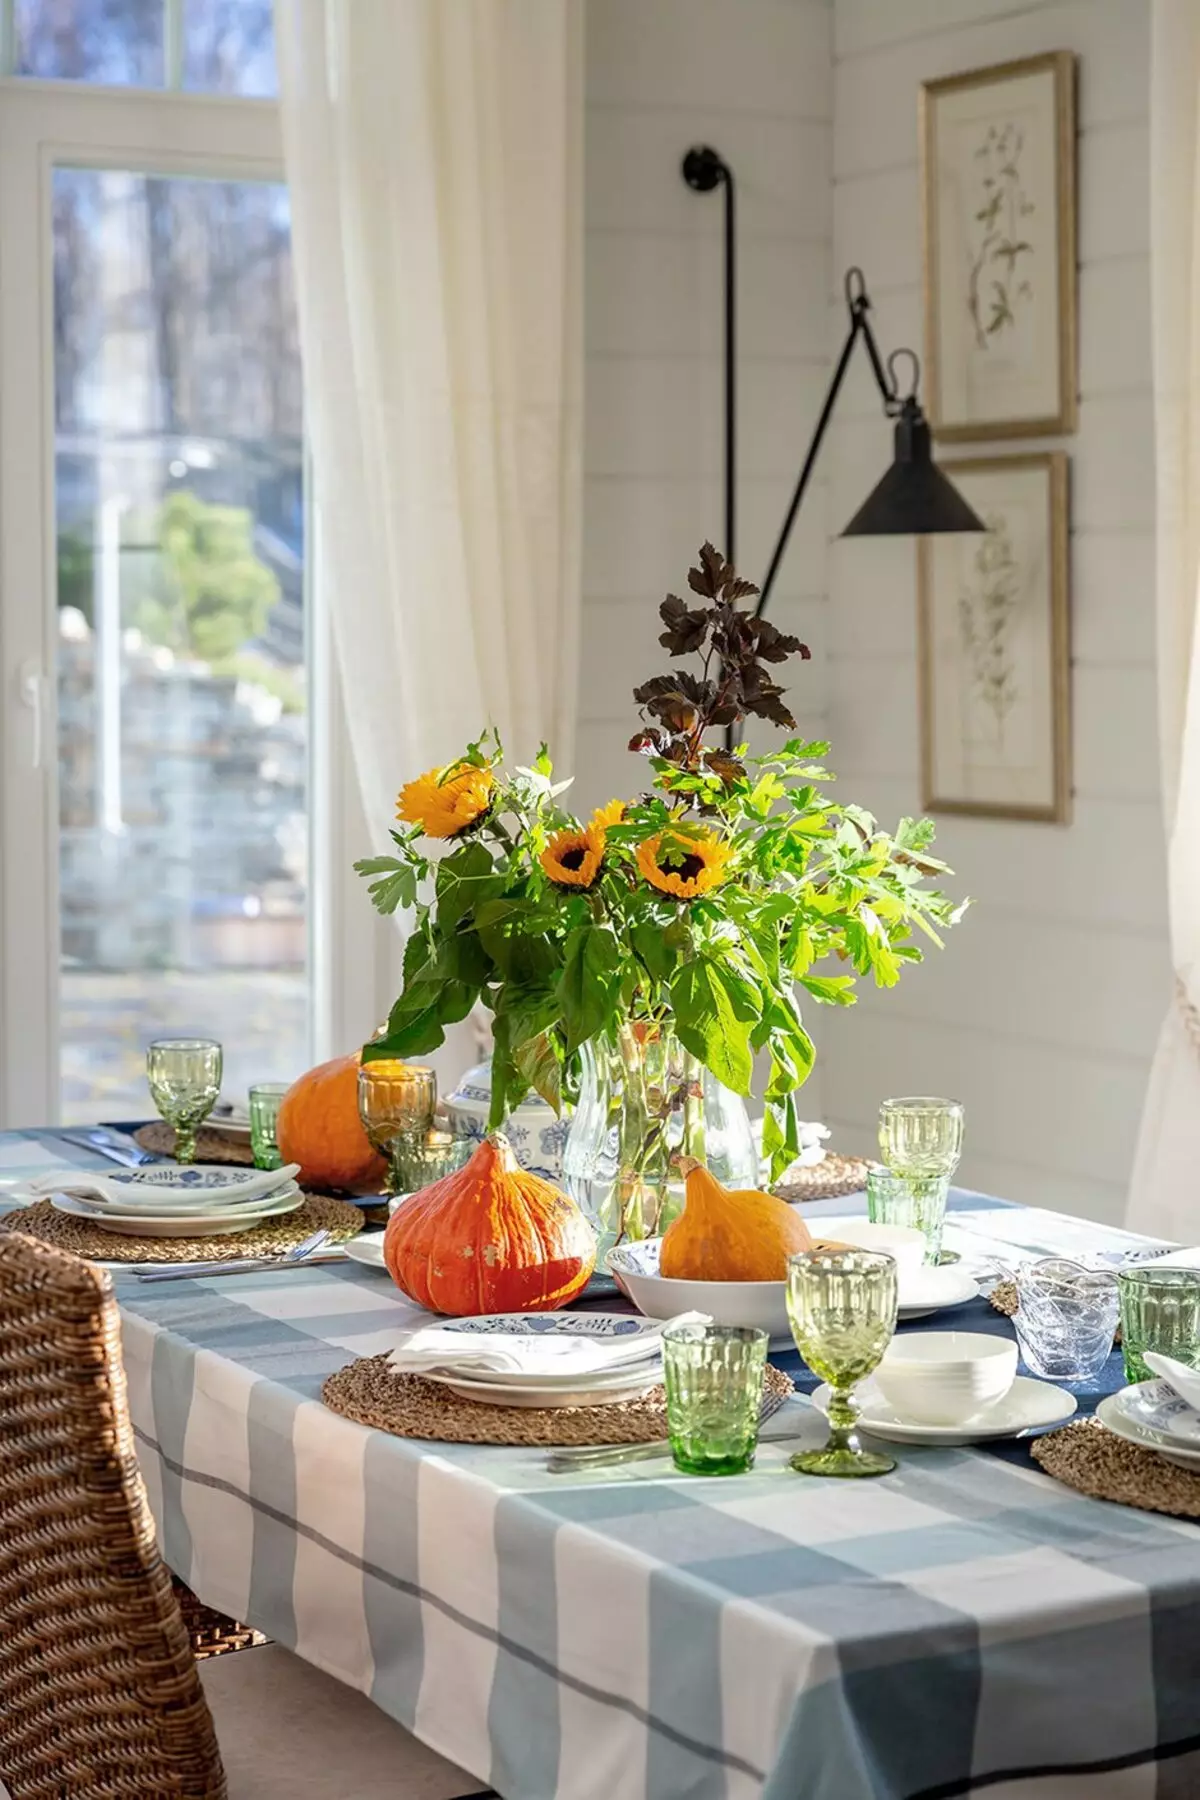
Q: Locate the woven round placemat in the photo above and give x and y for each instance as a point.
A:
(1098, 1463)
(212, 1145)
(826, 1180)
(271, 1238)
(371, 1393)
(1004, 1298)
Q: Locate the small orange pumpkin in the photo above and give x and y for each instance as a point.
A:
(319, 1128)
(726, 1234)
(490, 1238)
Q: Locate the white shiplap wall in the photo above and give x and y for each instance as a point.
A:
(1043, 1011)
(753, 79)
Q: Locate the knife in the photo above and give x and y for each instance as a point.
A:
(244, 1266)
(111, 1144)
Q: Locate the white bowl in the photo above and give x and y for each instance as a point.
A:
(903, 1242)
(946, 1377)
(634, 1268)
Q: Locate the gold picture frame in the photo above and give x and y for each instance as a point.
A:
(993, 634)
(998, 220)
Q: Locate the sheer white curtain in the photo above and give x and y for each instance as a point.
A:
(1165, 1196)
(434, 159)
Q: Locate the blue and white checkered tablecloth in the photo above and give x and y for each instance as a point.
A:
(964, 1626)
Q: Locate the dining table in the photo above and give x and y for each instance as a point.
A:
(965, 1625)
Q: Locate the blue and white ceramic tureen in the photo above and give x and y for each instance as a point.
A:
(534, 1129)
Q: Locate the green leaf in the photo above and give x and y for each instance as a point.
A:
(833, 990)
(539, 1061)
(394, 891)
(655, 948)
(715, 1007)
(589, 988)
(463, 881)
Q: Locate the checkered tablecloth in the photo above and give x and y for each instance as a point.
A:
(964, 1626)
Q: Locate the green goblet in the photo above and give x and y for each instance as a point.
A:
(842, 1308)
(185, 1080)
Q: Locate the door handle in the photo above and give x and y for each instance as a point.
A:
(31, 686)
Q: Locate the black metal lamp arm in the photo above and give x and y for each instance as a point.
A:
(859, 305)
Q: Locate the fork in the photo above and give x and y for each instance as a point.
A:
(607, 1456)
(243, 1265)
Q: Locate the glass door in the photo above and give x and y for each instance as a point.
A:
(154, 639)
(181, 675)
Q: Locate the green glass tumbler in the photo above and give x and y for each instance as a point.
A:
(842, 1308)
(921, 1135)
(1160, 1310)
(713, 1376)
(265, 1097)
(917, 1202)
(185, 1079)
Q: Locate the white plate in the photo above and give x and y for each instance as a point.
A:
(218, 1224)
(1119, 1412)
(366, 1248)
(170, 1182)
(194, 1207)
(933, 1287)
(594, 1390)
(1156, 1405)
(1184, 1381)
(1027, 1404)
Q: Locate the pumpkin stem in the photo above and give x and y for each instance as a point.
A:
(687, 1164)
(496, 1140)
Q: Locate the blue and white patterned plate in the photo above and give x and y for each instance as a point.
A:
(174, 1180)
(1156, 1405)
(565, 1324)
(1119, 1413)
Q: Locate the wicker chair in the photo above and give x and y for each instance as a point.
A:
(100, 1694)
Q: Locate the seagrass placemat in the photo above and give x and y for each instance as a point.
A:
(826, 1180)
(212, 1144)
(371, 1393)
(271, 1238)
(1094, 1461)
(1004, 1298)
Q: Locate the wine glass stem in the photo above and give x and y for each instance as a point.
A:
(185, 1143)
(843, 1419)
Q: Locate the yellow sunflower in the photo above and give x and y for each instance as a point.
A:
(445, 802)
(572, 858)
(604, 816)
(687, 864)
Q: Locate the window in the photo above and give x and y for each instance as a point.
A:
(155, 822)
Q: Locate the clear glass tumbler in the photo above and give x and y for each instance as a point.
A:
(916, 1202)
(265, 1097)
(842, 1308)
(1160, 1310)
(713, 1376)
(185, 1079)
(1065, 1319)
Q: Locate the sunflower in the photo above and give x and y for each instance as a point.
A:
(604, 816)
(446, 802)
(572, 858)
(687, 864)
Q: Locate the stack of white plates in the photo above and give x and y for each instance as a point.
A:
(537, 1359)
(164, 1201)
(1154, 1415)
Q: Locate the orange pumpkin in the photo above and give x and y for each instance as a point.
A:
(320, 1129)
(490, 1238)
(726, 1234)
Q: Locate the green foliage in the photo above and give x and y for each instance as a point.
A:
(212, 593)
(814, 896)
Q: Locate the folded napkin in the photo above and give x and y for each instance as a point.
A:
(437, 1349)
(151, 1196)
(1184, 1380)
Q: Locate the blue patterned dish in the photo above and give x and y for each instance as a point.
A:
(566, 1324)
(1156, 1405)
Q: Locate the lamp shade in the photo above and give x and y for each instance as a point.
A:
(914, 497)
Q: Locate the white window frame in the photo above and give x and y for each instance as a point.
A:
(159, 132)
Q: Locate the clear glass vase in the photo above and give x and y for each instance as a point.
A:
(643, 1101)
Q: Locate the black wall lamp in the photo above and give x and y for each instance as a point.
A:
(913, 497)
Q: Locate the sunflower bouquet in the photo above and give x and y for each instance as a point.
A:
(719, 901)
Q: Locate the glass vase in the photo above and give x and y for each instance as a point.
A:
(643, 1102)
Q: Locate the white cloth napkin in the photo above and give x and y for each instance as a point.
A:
(436, 1349)
(148, 1196)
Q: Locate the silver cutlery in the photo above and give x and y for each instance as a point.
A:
(304, 1252)
(111, 1144)
(606, 1456)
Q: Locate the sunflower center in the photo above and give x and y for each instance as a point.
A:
(687, 867)
(573, 858)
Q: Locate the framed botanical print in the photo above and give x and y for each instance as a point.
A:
(998, 212)
(993, 640)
